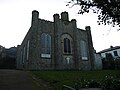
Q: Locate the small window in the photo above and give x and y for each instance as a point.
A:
(115, 53)
(106, 54)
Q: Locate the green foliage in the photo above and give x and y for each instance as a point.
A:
(77, 79)
(108, 83)
(108, 10)
(111, 63)
(117, 63)
(110, 60)
(83, 83)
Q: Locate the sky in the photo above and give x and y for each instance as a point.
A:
(15, 21)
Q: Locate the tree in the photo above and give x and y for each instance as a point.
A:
(108, 10)
(117, 63)
(110, 59)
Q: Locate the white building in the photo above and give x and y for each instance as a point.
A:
(115, 51)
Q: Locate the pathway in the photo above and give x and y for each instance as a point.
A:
(17, 80)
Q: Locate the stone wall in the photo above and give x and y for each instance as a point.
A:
(30, 51)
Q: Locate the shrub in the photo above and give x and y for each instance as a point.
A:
(109, 83)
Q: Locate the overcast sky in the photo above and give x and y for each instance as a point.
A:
(15, 21)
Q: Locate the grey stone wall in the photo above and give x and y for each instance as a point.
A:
(98, 62)
(60, 28)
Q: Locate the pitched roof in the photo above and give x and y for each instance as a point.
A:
(110, 49)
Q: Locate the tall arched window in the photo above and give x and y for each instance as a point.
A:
(83, 50)
(67, 46)
(45, 45)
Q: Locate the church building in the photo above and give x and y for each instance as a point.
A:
(57, 45)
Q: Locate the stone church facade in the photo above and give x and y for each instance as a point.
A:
(56, 45)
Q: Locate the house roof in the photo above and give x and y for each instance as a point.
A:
(11, 51)
(110, 49)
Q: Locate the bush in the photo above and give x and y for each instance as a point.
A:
(117, 63)
(107, 84)
(110, 84)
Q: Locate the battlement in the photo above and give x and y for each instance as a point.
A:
(64, 16)
(35, 17)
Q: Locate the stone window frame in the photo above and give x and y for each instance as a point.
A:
(46, 40)
(67, 45)
(69, 38)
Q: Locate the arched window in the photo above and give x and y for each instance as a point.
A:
(45, 45)
(83, 50)
(67, 46)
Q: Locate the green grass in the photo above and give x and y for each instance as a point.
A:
(58, 78)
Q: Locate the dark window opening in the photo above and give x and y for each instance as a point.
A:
(115, 53)
(67, 46)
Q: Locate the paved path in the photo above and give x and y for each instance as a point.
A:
(17, 80)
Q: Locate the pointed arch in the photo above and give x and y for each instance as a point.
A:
(67, 43)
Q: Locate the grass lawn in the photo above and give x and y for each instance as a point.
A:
(58, 78)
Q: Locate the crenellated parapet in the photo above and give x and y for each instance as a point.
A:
(56, 17)
(64, 16)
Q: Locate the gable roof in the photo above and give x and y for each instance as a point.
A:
(110, 49)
